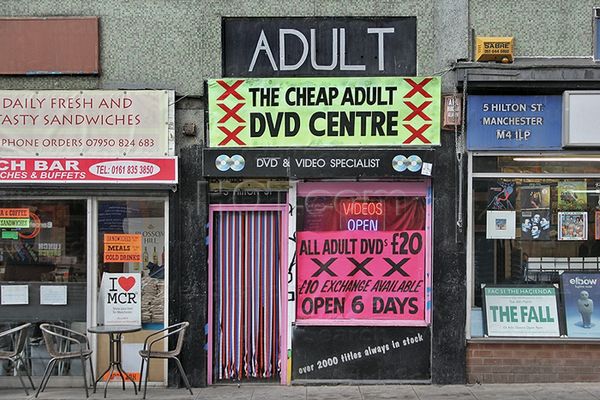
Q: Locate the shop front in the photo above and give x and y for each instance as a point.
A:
(533, 235)
(334, 273)
(85, 179)
(320, 229)
(327, 172)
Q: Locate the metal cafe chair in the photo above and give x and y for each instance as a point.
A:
(53, 336)
(19, 336)
(147, 352)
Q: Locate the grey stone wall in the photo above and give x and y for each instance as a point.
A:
(558, 28)
(177, 44)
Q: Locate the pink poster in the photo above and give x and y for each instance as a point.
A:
(361, 275)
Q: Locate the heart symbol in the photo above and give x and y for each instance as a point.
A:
(126, 283)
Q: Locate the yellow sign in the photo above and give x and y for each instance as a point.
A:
(122, 247)
(494, 49)
(262, 185)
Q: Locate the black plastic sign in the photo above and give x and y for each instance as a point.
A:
(361, 353)
(345, 46)
(318, 163)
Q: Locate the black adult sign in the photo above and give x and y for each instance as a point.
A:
(319, 163)
(318, 46)
(365, 353)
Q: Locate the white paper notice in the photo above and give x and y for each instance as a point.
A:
(426, 169)
(14, 294)
(53, 295)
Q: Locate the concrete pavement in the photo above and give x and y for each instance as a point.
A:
(551, 391)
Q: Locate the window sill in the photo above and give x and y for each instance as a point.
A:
(536, 340)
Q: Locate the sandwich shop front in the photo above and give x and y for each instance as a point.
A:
(85, 179)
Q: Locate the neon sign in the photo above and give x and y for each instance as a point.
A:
(361, 215)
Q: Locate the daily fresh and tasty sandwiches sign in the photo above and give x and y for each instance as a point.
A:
(306, 112)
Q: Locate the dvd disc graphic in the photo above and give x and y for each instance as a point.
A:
(237, 162)
(414, 163)
(399, 163)
(222, 162)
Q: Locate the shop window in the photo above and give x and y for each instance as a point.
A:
(554, 229)
(533, 230)
(145, 218)
(43, 271)
(363, 254)
(131, 240)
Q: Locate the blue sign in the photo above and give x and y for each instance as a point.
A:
(514, 122)
(580, 290)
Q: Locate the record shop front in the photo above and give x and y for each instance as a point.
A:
(84, 184)
(534, 231)
(321, 243)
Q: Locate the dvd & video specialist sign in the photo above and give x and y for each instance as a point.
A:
(310, 163)
(361, 353)
(318, 112)
(342, 46)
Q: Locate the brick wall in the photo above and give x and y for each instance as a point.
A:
(535, 363)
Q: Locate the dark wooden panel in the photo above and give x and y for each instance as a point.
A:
(361, 353)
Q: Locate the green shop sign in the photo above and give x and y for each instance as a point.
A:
(14, 222)
(314, 112)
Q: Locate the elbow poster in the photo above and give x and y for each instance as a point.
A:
(580, 291)
(359, 277)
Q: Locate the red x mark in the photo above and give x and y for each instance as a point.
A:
(230, 90)
(231, 135)
(417, 133)
(417, 110)
(417, 87)
(232, 112)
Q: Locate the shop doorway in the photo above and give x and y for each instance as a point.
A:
(247, 253)
(141, 225)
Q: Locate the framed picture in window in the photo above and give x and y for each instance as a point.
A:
(572, 195)
(572, 225)
(502, 196)
(500, 225)
(535, 224)
(534, 197)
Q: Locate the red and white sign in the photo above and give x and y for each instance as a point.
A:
(88, 170)
(92, 123)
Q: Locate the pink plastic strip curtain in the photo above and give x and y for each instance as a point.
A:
(247, 263)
